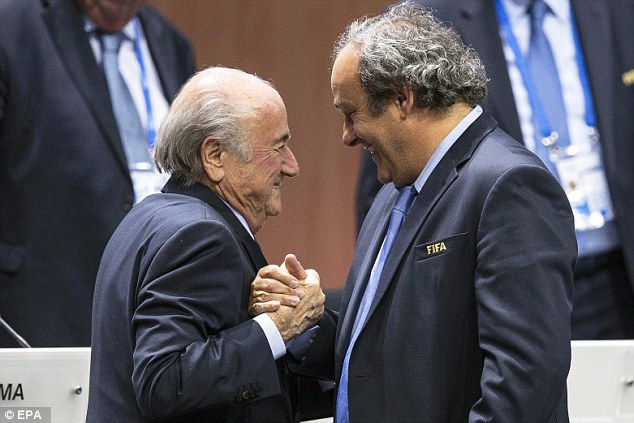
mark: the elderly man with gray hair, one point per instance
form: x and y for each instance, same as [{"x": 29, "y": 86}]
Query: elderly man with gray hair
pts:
[
  {"x": 172, "y": 338},
  {"x": 457, "y": 305}
]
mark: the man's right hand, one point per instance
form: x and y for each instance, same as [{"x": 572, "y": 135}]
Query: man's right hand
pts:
[{"x": 293, "y": 319}]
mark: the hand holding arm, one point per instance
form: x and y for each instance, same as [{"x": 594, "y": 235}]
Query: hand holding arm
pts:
[
  {"x": 290, "y": 320},
  {"x": 274, "y": 286}
]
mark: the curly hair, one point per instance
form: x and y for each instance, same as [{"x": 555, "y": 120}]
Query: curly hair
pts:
[{"x": 407, "y": 46}]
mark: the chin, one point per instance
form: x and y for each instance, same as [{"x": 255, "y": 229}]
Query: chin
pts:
[
  {"x": 273, "y": 210},
  {"x": 384, "y": 179}
]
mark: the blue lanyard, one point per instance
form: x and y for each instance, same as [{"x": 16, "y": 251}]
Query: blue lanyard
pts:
[
  {"x": 533, "y": 97},
  {"x": 151, "y": 132},
  {"x": 591, "y": 119}
]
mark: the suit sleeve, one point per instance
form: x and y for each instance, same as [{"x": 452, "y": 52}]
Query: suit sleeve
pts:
[
  {"x": 526, "y": 255},
  {"x": 191, "y": 351},
  {"x": 319, "y": 362}
]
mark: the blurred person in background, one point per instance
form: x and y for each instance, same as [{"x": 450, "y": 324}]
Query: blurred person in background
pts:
[{"x": 83, "y": 86}]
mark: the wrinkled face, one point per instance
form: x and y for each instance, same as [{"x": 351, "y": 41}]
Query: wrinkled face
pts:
[
  {"x": 379, "y": 134},
  {"x": 255, "y": 186}
]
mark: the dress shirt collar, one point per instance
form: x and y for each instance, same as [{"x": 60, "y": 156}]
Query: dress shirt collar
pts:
[
  {"x": 239, "y": 216},
  {"x": 445, "y": 145},
  {"x": 516, "y": 9},
  {"x": 128, "y": 30}
]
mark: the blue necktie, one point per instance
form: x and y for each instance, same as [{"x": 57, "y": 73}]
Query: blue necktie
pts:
[
  {"x": 397, "y": 216},
  {"x": 125, "y": 112},
  {"x": 543, "y": 70}
]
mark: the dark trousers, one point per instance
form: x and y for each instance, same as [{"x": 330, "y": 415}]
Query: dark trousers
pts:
[{"x": 603, "y": 299}]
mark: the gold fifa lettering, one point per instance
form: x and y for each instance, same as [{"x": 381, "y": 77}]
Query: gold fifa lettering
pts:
[
  {"x": 628, "y": 78},
  {"x": 436, "y": 248}
]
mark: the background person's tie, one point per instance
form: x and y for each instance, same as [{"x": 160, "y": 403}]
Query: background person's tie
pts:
[
  {"x": 130, "y": 128},
  {"x": 543, "y": 70},
  {"x": 397, "y": 216}
]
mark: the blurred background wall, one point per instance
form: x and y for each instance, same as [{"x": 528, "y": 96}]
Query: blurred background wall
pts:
[{"x": 289, "y": 42}]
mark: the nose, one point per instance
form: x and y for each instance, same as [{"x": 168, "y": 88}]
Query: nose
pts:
[
  {"x": 349, "y": 137},
  {"x": 290, "y": 167}
]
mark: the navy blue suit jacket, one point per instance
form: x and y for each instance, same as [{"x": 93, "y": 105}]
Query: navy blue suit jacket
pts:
[
  {"x": 471, "y": 320},
  {"x": 64, "y": 180},
  {"x": 606, "y": 30},
  {"x": 172, "y": 337}
]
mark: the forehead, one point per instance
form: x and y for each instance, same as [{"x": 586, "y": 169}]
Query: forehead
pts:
[
  {"x": 269, "y": 123},
  {"x": 344, "y": 80}
]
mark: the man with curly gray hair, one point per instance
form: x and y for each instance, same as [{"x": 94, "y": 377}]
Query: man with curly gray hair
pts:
[
  {"x": 466, "y": 315},
  {"x": 457, "y": 305},
  {"x": 417, "y": 52}
]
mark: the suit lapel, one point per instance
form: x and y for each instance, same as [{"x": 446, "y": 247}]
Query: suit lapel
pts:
[
  {"x": 368, "y": 250},
  {"x": 255, "y": 252},
  {"x": 438, "y": 182},
  {"x": 434, "y": 188},
  {"x": 157, "y": 38},
  {"x": 257, "y": 259},
  {"x": 599, "y": 59},
  {"x": 479, "y": 29},
  {"x": 71, "y": 41}
]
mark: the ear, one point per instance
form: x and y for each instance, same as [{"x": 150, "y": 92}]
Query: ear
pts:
[
  {"x": 213, "y": 156},
  {"x": 405, "y": 101}
]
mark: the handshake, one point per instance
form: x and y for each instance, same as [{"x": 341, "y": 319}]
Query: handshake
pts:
[{"x": 290, "y": 294}]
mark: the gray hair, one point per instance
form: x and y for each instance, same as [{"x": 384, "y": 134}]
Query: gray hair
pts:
[
  {"x": 408, "y": 47},
  {"x": 206, "y": 106}
]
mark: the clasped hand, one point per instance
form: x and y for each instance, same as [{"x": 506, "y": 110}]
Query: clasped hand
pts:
[{"x": 290, "y": 294}]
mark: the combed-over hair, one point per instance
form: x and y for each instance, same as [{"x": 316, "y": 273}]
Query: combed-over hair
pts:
[{"x": 203, "y": 108}]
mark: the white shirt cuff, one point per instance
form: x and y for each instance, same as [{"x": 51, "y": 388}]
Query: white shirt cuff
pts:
[{"x": 272, "y": 335}]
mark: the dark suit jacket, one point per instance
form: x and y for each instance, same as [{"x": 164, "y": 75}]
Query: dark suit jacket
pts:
[
  {"x": 606, "y": 30},
  {"x": 471, "y": 320},
  {"x": 171, "y": 331},
  {"x": 64, "y": 181}
]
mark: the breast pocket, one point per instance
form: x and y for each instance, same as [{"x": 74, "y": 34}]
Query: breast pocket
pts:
[
  {"x": 443, "y": 269},
  {"x": 439, "y": 247}
]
